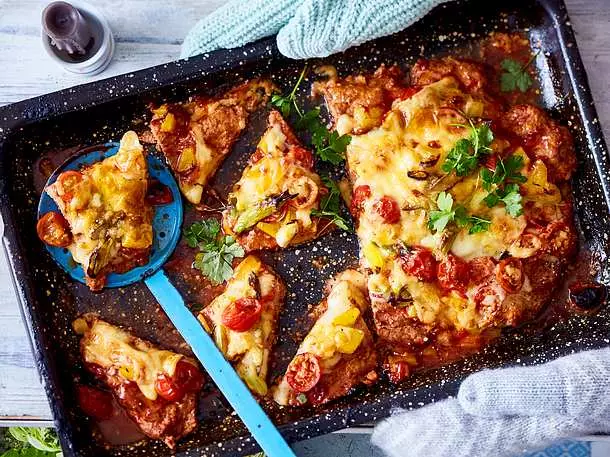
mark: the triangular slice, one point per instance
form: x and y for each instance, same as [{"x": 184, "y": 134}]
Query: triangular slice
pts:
[
  {"x": 106, "y": 209},
  {"x": 243, "y": 320},
  {"x": 338, "y": 353},
  {"x": 271, "y": 205},
  {"x": 196, "y": 136},
  {"x": 156, "y": 388}
]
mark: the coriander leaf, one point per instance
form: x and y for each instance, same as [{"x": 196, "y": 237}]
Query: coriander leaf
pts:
[
  {"x": 204, "y": 231},
  {"x": 515, "y": 76},
  {"x": 441, "y": 218},
  {"x": 330, "y": 205},
  {"x": 461, "y": 216},
  {"x": 309, "y": 121},
  {"x": 512, "y": 165},
  {"x": 334, "y": 152},
  {"x": 463, "y": 158},
  {"x": 286, "y": 103},
  {"x": 512, "y": 200},
  {"x": 492, "y": 200},
  {"x": 478, "y": 225},
  {"x": 481, "y": 138}
]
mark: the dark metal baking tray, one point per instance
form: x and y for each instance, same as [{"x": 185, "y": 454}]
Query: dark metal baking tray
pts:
[{"x": 101, "y": 111}]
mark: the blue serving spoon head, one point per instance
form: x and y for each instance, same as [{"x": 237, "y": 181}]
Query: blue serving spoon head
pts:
[{"x": 167, "y": 220}]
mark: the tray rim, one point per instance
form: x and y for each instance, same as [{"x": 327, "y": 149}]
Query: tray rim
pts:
[{"x": 81, "y": 97}]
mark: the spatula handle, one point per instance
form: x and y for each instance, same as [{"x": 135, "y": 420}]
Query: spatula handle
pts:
[{"x": 221, "y": 372}]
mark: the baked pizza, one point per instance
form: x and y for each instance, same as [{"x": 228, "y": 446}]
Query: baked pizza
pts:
[
  {"x": 105, "y": 220},
  {"x": 271, "y": 205},
  {"x": 196, "y": 136},
  {"x": 156, "y": 388},
  {"x": 462, "y": 206},
  {"x": 244, "y": 318},
  {"x": 338, "y": 352}
]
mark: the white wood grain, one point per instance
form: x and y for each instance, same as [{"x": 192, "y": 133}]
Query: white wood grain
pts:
[{"x": 149, "y": 32}]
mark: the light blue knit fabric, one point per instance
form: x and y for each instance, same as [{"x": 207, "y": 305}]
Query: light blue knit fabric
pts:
[
  {"x": 504, "y": 413},
  {"x": 305, "y": 28}
]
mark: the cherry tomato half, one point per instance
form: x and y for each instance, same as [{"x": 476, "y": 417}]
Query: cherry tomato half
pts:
[
  {"x": 67, "y": 181},
  {"x": 452, "y": 273},
  {"x": 510, "y": 274},
  {"x": 53, "y": 229},
  {"x": 359, "y": 195},
  {"x": 242, "y": 314},
  {"x": 388, "y": 209},
  {"x": 188, "y": 377},
  {"x": 303, "y": 372},
  {"x": 167, "y": 388},
  {"x": 158, "y": 193},
  {"x": 94, "y": 402},
  {"x": 419, "y": 262}
]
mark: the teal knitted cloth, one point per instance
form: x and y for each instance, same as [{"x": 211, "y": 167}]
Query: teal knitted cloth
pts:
[{"x": 304, "y": 28}]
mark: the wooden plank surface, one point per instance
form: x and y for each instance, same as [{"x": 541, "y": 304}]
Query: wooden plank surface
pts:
[{"x": 149, "y": 32}]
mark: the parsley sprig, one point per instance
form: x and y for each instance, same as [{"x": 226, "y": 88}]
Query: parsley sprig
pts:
[
  {"x": 515, "y": 75},
  {"x": 503, "y": 186},
  {"x": 463, "y": 158},
  {"x": 330, "y": 205},
  {"x": 447, "y": 214},
  {"x": 328, "y": 146},
  {"x": 217, "y": 251},
  {"x": 286, "y": 103}
]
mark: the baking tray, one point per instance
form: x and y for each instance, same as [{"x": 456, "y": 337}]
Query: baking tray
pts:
[{"x": 100, "y": 112}]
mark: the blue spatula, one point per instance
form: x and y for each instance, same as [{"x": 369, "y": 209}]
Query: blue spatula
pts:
[{"x": 166, "y": 225}]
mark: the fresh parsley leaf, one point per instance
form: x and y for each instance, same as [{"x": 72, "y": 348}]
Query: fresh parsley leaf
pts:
[
  {"x": 510, "y": 196},
  {"x": 334, "y": 151},
  {"x": 286, "y": 103},
  {"x": 504, "y": 179},
  {"x": 330, "y": 205},
  {"x": 515, "y": 75},
  {"x": 204, "y": 232},
  {"x": 447, "y": 213},
  {"x": 441, "y": 218},
  {"x": 217, "y": 252},
  {"x": 328, "y": 146},
  {"x": 463, "y": 158},
  {"x": 478, "y": 224}
]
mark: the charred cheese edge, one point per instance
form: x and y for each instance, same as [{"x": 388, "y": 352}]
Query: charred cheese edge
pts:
[
  {"x": 334, "y": 332},
  {"x": 272, "y": 175},
  {"x": 109, "y": 209},
  {"x": 416, "y": 135},
  {"x": 121, "y": 353},
  {"x": 250, "y": 349}
]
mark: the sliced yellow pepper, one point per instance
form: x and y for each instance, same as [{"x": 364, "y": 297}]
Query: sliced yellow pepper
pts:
[
  {"x": 126, "y": 372},
  {"x": 348, "y": 339},
  {"x": 169, "y": 123},
  {"x": 373, "y": 255},
  {"x": 348, "y": 318}
]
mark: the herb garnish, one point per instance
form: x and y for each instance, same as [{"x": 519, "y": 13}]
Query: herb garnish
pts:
[
  {"x": 217, "y": 251},
  {"x": 502, "y": 184},
  {"x": 515, "y": 75},
  {"x": 463, "y": 158},
  {"x": 328, "y": 146},
  {"x": 447, "y": 213},
  {"x": 330, "y": 205}
]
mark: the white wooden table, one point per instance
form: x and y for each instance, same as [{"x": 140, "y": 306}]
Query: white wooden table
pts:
[{"x": 149, "y": 32}]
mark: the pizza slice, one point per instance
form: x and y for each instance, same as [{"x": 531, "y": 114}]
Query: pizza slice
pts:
[
  {"x": 105, "y": 221},
  {"x": 196, "y": 136},
  {"x": 462, "y": 227},
  {"x": 243, "y": 320},
  {"x": 338, "y": 352},
  {"x": 271, "y": 205},
  {"x": 156, "y": 388}
]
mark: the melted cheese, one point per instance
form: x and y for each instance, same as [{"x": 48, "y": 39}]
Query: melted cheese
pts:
[
  {"x": 250, "y": 348},
  {"x": 272, "y": 175},
  {"x": 414, "y": 140},
  {"x": 108, "y": 208},
  {"x": 124, "y": 355}
]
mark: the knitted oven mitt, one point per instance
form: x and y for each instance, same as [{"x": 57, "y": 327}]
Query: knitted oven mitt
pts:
[
  {"x": 507, "y": 412},
  {"x": 305, "y": 28}
]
